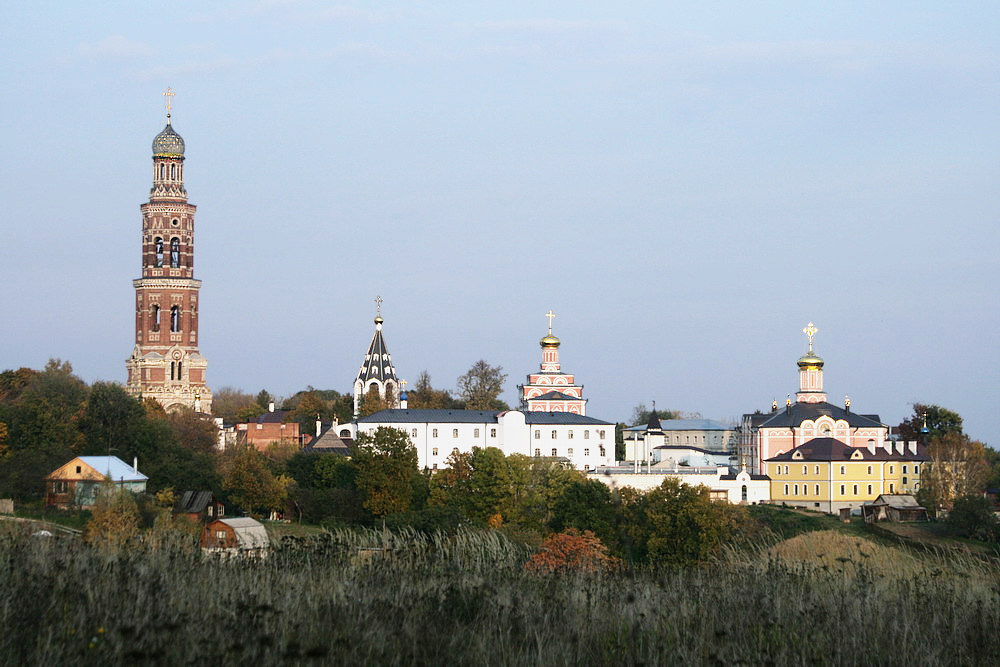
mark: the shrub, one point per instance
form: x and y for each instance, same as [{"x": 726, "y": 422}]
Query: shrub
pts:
[{"x": 572, "y": 551}]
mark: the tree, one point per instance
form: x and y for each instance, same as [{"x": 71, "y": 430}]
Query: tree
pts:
[
  {"x": 481, "y": 385},
  {"x": 115, "y": 518},
  {"x": 572, "y": 551},
  {"x": 586, "y": 505},
  {"x": 235, "y": 406},
  {"x": 939, "y": 421},
  {"x": 110, "y": 418},
  {"x": 641, "y": 415},
  {"x": 387, "y": 463},
  {"x": 373, "y": 402},
  {"x": 957, "y": 467},
  {"x": 194, "y": 431},
  {"x": 620, "y": 441},
  {"x": 424, "y": 396},
  {"x": 264, "y": 399},
  {"x": 250, "y": 482},
  {"x": 972, "y": 516}
]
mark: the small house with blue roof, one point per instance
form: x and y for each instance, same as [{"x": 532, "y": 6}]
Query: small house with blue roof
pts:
[{"x": 76, "y": 483}]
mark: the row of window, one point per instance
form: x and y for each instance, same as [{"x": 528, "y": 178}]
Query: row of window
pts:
[
  {"x": 175, "y": 171},
  {"x": 493, "y": 432},
  {"x": 843, "y": 489},
  {"x": 843, "y": 470},
  {"x": 175, "y": 318},
  {"x": 538, "y": 452},
  {"x": 175, "y": 252}
]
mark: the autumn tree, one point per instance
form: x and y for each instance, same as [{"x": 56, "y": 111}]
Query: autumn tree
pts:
[
  {"x": 114, "y": 519},
  {"x": 386, "y": 461},
  {"x": 424, "y": 396},
  {"x": 572, "y": 551},
  {"x": 235, "y": 406},
  {"x": 481, "y": 385},
  {"x": 194, "y": 431},
  {"x": 957, "y": 467}
]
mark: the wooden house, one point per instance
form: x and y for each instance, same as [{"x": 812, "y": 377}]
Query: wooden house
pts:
[
  {"x": 235, "y": 536},
  {"x": 894, "y": 507},
  {"x": 199, "y": 506},
  {"x": 76, "y": 483}
]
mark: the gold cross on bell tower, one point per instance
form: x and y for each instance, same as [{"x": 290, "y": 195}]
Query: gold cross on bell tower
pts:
[
  {"x": 378, "y": 306},
  {"x": 810, "y": 331},
  {"x": 550, "y": 315},
  {"x": 169, "y": 94}
]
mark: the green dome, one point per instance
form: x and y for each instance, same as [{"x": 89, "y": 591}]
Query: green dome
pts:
[{"x": 168, "y": 143}]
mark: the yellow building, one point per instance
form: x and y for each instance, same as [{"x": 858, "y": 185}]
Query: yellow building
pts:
[{"x": 827, "y": 475}]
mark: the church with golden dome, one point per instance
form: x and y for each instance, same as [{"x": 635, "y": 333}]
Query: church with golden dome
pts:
[
  {"x": 551, "y": 390},
  {"x": 809, "y": 416}
]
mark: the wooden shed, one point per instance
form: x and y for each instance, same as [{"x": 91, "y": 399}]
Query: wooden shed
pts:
[
  {"x": 240, "y": 535},
  {"x": 893, "y": 507}
]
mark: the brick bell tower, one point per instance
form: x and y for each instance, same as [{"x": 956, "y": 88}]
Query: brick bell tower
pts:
[{"x": 165, "y": 363}]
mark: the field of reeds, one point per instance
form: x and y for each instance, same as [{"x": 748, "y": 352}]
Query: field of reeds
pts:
[{"x": 371, "y": 597}]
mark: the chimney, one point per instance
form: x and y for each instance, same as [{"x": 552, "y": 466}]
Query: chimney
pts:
[
  {"x": 270, "y": 407},
  {"x": 319, "y": 427},
  {"x": 135, "y": 464}
]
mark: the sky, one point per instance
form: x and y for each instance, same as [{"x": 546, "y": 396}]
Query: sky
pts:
[{"x": 686, "y": 185}]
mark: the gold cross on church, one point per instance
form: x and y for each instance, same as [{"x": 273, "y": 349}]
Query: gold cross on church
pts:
[
  {"x": 550, "y": 315},
  {"x": 169, "y": 94},
  {"x": 378, "y": 306},
  {"x": 810, "y": 331}
]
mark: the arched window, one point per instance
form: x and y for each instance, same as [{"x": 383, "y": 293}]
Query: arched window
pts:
[
  {"x": 175, "y": 252},
  {"x": 743, "y": 493},
  {"x": 163, "y": 171},
  {"x": 158, "y": 248},
  {"x": 155, "y": 316},
  {"x": 180, "y": 365},
  {"x": 175, "y": 318},
  {"x": 173, "y": 369},
  {"x": 173, "y": 171}
]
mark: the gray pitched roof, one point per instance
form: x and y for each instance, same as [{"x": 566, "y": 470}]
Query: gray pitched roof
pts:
[
  {"x": 193, "y": 502},
  {"x": 686, "y": 425},
  {"x": 797, "y": 413},
  {"x": 539, "y": 417},
  {"x": 330, "y": 443},
  {"x": 556, "y": 396},
  {"x": 377, "y": 364}
]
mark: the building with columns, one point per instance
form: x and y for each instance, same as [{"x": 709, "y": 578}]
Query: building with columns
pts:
[
  {"x": 165, "y": 363},
  {"x": 551, "y": 390},
  {"x": 377, "y": 373},
  {"x": 767, "y": 435}
]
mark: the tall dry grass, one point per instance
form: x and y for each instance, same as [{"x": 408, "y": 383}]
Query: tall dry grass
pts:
[{"x": 372, "y": 597}]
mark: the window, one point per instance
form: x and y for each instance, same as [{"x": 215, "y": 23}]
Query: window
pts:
[
  {"x": 600, "y": 434},
  {"x": 155, "y": 317},
  {"x": 538, "y": 452},
  {"x": 454, "y": 432},
  {"x": 892, "y": 488},
  {"x": 805, "y": 470},
  {"x": 569, "y": 452},
  {"x": 570, "y": 435},
  {"x": 158, "y": 244},
  {"x": 904, "y": 481},
  {"x": 434, "y": 467},
  {"x": 805, "y": 489},
  {"x": 434, "y": 433},
  {"x": 554, "y": 452},
  {"x": 475, "y": 433},
  {"x": 869, "y": 470},
  {"x": 786, "y": 470},
  {"x": 743, "y": 493},
  {"x": 892, "y": 469},
  {"x": 173, "y": 171},
  {"x": 175, "y": 318},
  {"x": 175, "y": 252},
  {"x": 817, "y": 489},
  {"x": 916, "y": 469},
  {"x": 586, "y": 435},
  {"x": 855, "y": 491},
  {"x": 843, "y": 470},
  {"x": 493, "y": 433},
  {"x": 869, "y": 489},
  {"x": 538, "y": 434},
  {"x": 554, "y": 433},
  {"x": 786, "y": 489},
  {"x": 163, "y": 171},
  {"x": 904, "y": 468},
  {"x": 817, "y": 470},
  {"x": 413, "y": 433},
  {"x": 434, "y": 451},
  {"x": 586, "y": 452},
  {"x": 220, "y": 534},
  {"x": 796, "y": 490}
]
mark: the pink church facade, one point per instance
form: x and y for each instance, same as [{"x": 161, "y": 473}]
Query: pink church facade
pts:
[
  {"x": 551, "y": 390},
  {"x": 812, "y": 416}
]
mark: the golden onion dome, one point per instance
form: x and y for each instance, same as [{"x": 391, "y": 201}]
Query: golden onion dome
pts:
[
  {"x": 810, "y": 360},
  {"x": 549, "y": 341}
]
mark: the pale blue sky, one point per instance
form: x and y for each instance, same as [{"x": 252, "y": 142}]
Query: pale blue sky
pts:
[{"x": 686, "y": 185}]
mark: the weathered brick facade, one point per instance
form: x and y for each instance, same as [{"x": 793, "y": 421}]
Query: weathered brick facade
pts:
[{"x": 165, "y": 363}]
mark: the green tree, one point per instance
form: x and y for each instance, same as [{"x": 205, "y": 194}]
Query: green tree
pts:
[
  {"x": 387, "y": 464},
  {"x": 972, "y": 516},
  {"x": 264, "y": 399},
  {"x": 250, "y": 483},
  {"x": 620, "y": 441},
  {"x": 235, "y": 406},
  {"x": 425, "y": 396},
  {"x": 641, "y": 415},
  {"x": 481, "y": 385},
  {"x": 194, "y": 431},
  {"x": 939, "y": 421},
  {"x": 111, "y": 419},
  {"x": 586, "y": 505}
]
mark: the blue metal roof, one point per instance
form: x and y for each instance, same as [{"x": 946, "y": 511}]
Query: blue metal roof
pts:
[
  {"x": 687, "y": 425},
  {"x": 114, "y": 467}
]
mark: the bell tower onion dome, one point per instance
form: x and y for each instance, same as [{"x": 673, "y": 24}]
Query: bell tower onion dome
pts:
[{"x": 168, "y": 143}]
